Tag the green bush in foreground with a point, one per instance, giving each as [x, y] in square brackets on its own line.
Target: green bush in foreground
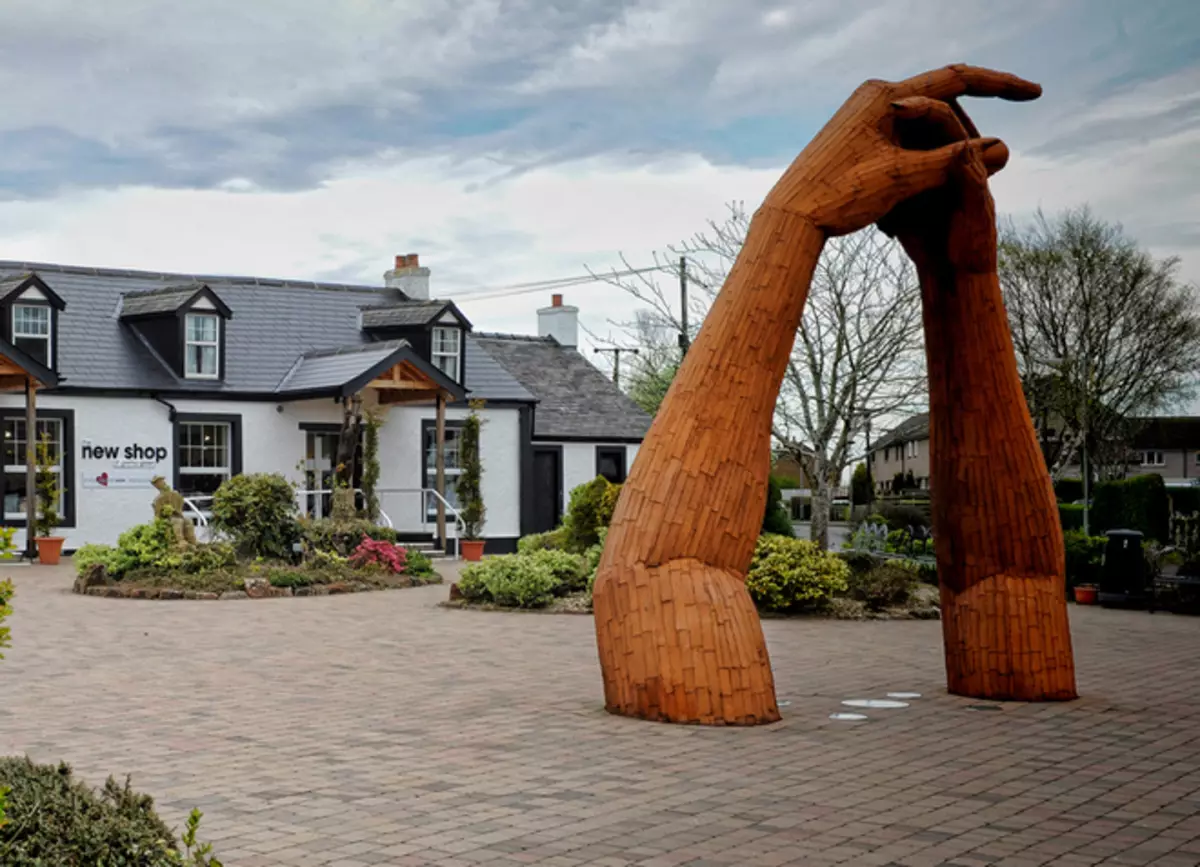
[258, 511]
[513, 580]
[886, 586]
[791, 575]
[54, 819]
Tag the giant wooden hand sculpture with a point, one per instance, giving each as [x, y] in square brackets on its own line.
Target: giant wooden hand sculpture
[999, 541]
[678, 635]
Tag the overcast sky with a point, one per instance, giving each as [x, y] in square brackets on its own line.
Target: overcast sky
[516, 141]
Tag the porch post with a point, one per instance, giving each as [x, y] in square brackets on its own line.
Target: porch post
[31, 498]
[441, 468]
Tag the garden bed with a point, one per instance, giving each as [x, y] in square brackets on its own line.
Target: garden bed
[250, 582]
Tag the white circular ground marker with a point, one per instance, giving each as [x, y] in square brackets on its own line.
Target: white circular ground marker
[874, 702]
[848, 717]
[904, 695]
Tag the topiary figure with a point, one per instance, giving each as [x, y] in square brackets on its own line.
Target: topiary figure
[169, 506]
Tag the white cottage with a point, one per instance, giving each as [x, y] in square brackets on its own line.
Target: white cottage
[198, 378]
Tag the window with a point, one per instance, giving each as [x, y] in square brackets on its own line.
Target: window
[208, 451]
[912, 449]
[446, 342]
[1153, 459]
[887, 455]
[610, 463]
[202, 346]
[31, 331]
[429, 464]
[56, 426]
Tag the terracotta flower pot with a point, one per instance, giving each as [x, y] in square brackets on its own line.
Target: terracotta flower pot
[1085, 594]
[49, 549]
[472, 549]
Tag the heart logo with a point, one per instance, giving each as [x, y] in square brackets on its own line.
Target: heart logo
[103, 479]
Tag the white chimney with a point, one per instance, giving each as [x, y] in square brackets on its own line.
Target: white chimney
[409, 277]
[559, 322]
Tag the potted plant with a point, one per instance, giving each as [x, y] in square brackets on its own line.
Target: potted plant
[49, 547]
[470, 500]
[1085, 594]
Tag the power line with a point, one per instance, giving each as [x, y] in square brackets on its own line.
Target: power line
[542, 285]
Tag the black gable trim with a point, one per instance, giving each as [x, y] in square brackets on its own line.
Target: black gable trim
[13, 288]
[47, 377]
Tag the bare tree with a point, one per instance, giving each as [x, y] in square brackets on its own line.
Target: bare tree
[858, 354]
[1104, 334]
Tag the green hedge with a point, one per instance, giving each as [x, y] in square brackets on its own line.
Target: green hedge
[1071, 516]
[1136, 503]
[1068, 490]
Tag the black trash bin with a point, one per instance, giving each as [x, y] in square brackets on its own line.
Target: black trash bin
[1123, 575]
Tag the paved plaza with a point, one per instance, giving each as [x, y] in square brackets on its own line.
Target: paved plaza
[378, 728]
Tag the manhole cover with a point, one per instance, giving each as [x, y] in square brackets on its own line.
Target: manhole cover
[874, 702]
[904, 695]
[785, 704]
[848, 717]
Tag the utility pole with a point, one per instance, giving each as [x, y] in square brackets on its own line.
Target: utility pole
[616, 351]
[684, 341]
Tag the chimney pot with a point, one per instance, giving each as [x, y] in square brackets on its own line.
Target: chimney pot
[401, 261]
[414, 261]
[556, 301]
[409, 277]
[560, 322]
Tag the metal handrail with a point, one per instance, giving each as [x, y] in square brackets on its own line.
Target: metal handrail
[191, 504]
[321, 493]
[460, 525]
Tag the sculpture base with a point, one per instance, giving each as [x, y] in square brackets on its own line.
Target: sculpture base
[682, 643]
[1008, 638]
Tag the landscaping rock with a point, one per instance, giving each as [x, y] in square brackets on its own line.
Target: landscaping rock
[114, 591]
[455, 593]
[203, 595]
[94, 576]
[302, 591]
[258, 588]
[97, 591]
[318, 590]
[233, 594]
[135, 593]
[168, 593]
[338, 588]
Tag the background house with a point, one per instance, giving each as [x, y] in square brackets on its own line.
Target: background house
[198, 378]
[902, 450]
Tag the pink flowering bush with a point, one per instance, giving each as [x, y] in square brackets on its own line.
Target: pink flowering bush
[379, 553]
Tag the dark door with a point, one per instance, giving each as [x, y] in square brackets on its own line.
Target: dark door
[547, 488]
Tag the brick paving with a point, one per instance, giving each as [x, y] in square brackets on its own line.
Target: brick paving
[380, 729]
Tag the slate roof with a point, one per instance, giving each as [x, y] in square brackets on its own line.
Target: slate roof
[274, 323]
[1167, 433]
[915, 428]
[347, 369]
[575, 400]
[154, 301]
[11, 284]
[413, 313]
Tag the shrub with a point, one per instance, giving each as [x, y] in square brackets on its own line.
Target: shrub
[900, 516]
[1068, 490]
[1084, 555]
[859, 561]
[589, 511]
[569, 570]
[897, 542]
[207, 557]
[1070, 516]
[87, 556]
[776, 519]
[417, 562]
[885, 586]
[341, 537]
[514, 580]
[8, 545]
[1136, 503]
[144, 546]
[55, 819]
[794, 575]
[555, 540]
[376, 554]
[289, 578]
[258, 511]
[468, 492]
[6, 595]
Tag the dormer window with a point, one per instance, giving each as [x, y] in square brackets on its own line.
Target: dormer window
[202, 351]
[31, 331]
[446, 351]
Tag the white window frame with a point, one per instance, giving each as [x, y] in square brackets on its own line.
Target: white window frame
[911, 449]
[429, 468]
[48, 336]
[20, 469]
[1153, 458]
[188, 343]
[226, 469]
[445, 360]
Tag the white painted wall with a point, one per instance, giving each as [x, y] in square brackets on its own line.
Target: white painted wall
[272, 441]
[579, 464]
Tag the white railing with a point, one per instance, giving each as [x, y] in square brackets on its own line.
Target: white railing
[303, 494]
[192, 509]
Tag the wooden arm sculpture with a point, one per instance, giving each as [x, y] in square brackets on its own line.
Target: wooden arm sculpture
[999, 541]
[679, 638]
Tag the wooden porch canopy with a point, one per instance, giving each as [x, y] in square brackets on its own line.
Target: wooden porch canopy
[20, 372]
[391, 369]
